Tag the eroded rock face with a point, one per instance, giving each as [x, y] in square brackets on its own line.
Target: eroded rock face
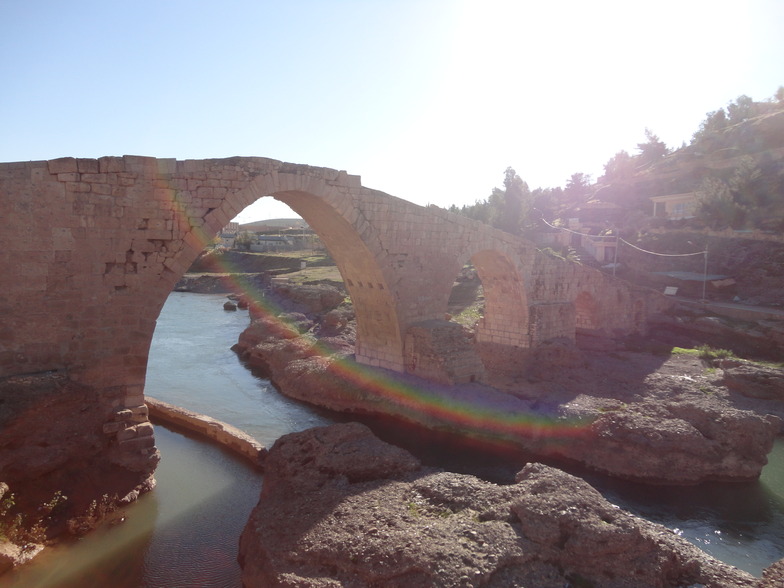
[306, 298]
[672, 423]
[683, 441]
[40, 454]
[341, 508]
[773, 576]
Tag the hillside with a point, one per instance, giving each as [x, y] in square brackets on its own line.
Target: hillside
[735, 171]
[274, 224]
[731, 181]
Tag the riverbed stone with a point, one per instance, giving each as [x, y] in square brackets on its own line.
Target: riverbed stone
[773, 576]
[326, 517]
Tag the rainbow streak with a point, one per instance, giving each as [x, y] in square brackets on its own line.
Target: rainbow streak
[492, 417]
[481, 413]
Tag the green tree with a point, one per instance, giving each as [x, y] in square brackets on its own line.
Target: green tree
[511, 207]
[619, 168]
[577, 187]
[717, 206]
[243, 240]
[742, 109]
[544, 202]
[715, 122]
[653, 149]
[739, 201]
[744, 183]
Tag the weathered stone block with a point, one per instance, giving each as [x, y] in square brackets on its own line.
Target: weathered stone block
[88, 166]
[64, 165]
[114, 427]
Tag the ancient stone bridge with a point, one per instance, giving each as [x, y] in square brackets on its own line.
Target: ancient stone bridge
[92, 247]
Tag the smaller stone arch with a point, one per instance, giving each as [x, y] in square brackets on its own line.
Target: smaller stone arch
[503, 333]
[334, 213]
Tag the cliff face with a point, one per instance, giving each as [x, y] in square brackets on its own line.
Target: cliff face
[341, 508]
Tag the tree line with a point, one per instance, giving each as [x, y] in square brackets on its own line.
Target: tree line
[750, 195]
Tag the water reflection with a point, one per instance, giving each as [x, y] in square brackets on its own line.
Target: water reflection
[183, 534]
[740, 523]
[191, 365]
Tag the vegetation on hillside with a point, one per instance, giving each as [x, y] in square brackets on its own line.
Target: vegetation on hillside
[734, 164]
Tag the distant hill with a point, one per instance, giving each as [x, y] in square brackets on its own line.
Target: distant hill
[274, 224]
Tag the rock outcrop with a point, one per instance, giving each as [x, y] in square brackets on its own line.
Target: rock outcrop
[773, 576]
[753, 380]
[682, 441]
[341, 508]
[634, 416]
[41, 409]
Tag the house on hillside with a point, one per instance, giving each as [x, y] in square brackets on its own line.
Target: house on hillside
[675, 206]
[264, 243]
[275, 225]
[586, 229]
[228, 235]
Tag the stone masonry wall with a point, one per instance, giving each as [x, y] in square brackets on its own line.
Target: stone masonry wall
[91, 248]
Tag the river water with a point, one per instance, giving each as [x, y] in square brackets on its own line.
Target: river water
[185, 533]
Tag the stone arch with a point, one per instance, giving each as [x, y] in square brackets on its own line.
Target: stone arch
[353, 244]
[378, 330]
[505, 321]
[502, 335]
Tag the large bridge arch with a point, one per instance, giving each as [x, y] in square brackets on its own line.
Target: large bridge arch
[338, 223]
[505, 321]
[91, 248]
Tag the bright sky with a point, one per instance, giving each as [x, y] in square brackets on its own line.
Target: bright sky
[428, 100]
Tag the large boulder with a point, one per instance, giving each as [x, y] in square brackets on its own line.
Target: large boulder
[754, 380]
[341, 508]
[680, 441]
[306, 298]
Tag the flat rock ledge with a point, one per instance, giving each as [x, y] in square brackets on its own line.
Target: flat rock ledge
[222, 433]
[339, 507]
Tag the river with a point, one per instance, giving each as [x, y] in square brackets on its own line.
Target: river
[185, 533]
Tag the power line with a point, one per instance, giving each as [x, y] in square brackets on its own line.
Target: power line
[662, 254]
[625, 241]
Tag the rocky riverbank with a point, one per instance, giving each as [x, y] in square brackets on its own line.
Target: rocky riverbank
[672, 419]
[341, 508]
[32, 514]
